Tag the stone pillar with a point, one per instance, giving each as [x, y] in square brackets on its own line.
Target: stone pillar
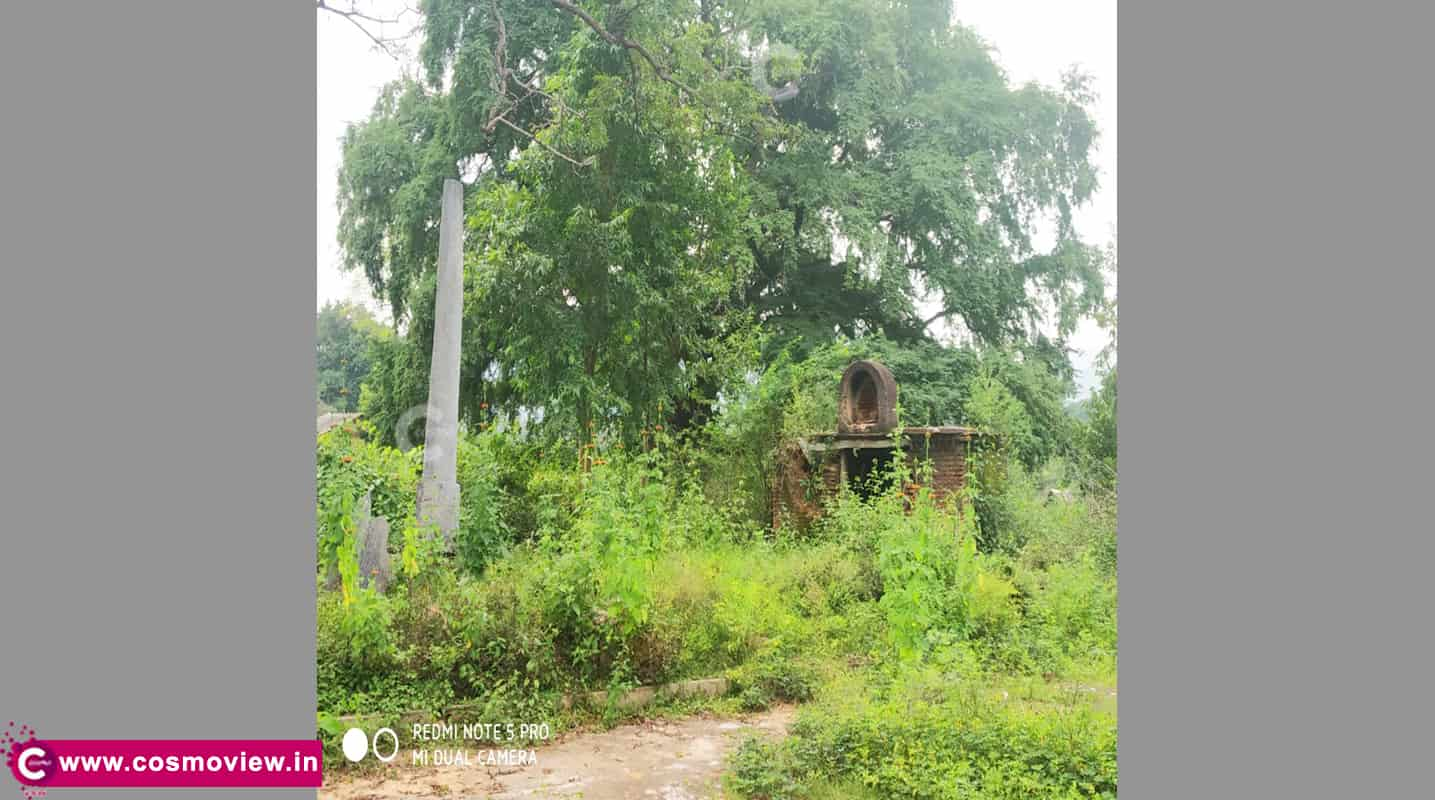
[438, 489]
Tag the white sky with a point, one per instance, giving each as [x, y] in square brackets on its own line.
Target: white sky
[1034, 39]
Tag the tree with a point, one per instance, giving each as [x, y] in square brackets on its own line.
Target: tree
[641, 197]
[342, 352]
[1098, 433]
[911, 169]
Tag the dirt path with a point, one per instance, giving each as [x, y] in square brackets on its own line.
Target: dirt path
[655, 760]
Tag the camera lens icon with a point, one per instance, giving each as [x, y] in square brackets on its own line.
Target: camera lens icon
[356, 744]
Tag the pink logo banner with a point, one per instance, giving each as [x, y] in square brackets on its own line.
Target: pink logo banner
[163, 763]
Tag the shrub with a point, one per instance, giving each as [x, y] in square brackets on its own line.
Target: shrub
[355, 646]
[483, 533]
[921, 737]
[1063, 532]
[1077, 608]
[351, 462]
[934, 584]
[759, 769]
[778, 674]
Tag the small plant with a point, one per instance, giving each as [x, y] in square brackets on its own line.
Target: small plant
[777, 675]
[422, 551]
[758, 770]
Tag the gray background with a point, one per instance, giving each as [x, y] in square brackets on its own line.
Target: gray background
[157, 319]
[156, 314]
[1275, 395]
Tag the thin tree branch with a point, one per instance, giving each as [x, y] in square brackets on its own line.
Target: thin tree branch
[353, 15]
[587, 162]
[355, 12]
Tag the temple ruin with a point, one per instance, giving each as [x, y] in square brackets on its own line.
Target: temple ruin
[813, 469]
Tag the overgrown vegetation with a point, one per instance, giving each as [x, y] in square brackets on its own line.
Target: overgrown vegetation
[668, 265]
[917, 733]
[635, 577]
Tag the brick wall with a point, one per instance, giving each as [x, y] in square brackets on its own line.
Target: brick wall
[792, 504]
[947, 454]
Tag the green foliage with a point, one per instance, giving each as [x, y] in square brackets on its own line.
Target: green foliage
[422, 548]
[1078, 608]
[494, 468]
[632, 221]
[609, 555]
[1054, 531]
[632, 574]
[1098, 433]
[345, 334]
[773, 676]
[335, 527]
[758, 769]
[630, 593]
[997, 480]
[483, 532]
[1044, 602]
[936, 588]
[356, 636]
[924, 736]
[604, 298]
[392, 175]
[932, 381]
[887, 616]
[994, 409]
[398, 381]
[351, 462]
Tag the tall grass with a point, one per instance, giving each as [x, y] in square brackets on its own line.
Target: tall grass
[890, 616]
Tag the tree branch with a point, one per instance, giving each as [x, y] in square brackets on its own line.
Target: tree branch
[500, 71]
[587, 162]
[939, 315]
[354, 15]
[621, 41]
[558, 101]
[501, 78]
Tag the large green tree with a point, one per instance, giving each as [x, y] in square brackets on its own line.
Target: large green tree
[642, 196]
[345, 333]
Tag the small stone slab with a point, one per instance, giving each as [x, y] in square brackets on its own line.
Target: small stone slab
[372, 544]
[374, 554]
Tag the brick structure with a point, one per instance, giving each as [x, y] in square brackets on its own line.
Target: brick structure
[813, 469]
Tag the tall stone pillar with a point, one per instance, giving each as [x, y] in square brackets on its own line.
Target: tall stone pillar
[438, 489]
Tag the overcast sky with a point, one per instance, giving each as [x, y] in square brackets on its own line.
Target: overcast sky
[1034, 39]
